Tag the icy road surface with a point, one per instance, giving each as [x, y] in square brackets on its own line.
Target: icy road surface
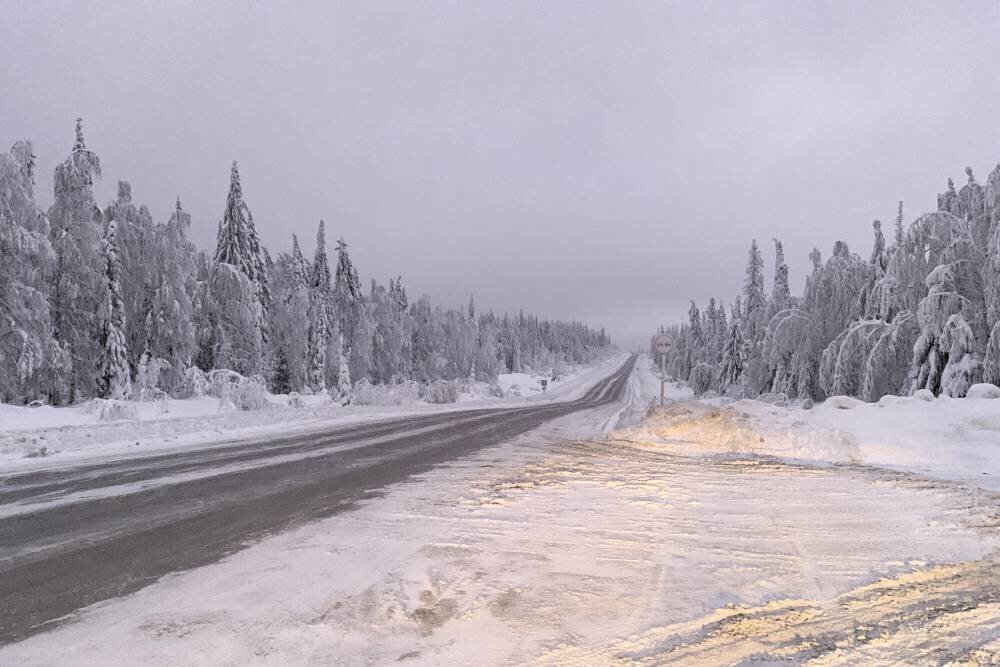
[76, 535]
[562, 547]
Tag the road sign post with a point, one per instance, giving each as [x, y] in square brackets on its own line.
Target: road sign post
[663, 344]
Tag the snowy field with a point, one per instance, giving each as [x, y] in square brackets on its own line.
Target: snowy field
[705, 535]
[44, 436]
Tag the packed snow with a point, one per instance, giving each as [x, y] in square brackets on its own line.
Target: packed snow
[694, 536]
[44, 435]
[940, 438]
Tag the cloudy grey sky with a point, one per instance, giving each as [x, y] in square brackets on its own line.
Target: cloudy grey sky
[604, 161]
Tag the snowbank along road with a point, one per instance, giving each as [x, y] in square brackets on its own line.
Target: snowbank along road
[73, 536]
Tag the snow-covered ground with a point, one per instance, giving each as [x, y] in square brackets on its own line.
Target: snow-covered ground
[943, 438]
[664, 543]
[43, 436]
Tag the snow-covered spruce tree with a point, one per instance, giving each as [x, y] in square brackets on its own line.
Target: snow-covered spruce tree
[708, 323]
[346, 290]
[236, 287]
[695, 337]
[239, 245]
[77, 279]
[289, 315]
[734, 356]
[932, 352]
[319, 314]
[720, 330]
[870, 297]
[781, 294]
[753, 292]
[348, 305]
[170, 322]
[31, 361]
[135, 237]
[756, 377]
[115, 379]
[898, 234]
[963, 368]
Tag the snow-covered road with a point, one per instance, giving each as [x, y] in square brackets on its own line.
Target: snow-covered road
[563, 547]
[75, 535]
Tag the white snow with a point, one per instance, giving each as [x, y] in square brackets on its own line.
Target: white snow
[564, 548]
[43, 436]
[953, 439]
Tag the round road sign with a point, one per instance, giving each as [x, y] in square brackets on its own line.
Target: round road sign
[663, 343]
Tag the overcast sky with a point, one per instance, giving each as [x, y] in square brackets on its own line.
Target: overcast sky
[601, 161]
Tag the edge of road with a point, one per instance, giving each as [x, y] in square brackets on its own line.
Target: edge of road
[311, 425]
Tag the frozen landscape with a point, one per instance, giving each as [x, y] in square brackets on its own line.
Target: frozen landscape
[499, 333]
[706, 533]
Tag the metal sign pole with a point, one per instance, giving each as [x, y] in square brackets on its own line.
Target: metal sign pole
[663, 377]
[663, 344]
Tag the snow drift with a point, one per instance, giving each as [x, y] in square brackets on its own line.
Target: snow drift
[693, 428]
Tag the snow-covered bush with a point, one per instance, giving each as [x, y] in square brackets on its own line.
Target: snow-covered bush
[193, 384]
[983, 390]
[364, 393]
[924, 395]
[221, 382]
[403, 393]
[774, 398]
[701, 378]
[843, 402]
[249, 394]
[440, 392]
[295, 400]
[108, 409]
[243, 393]
[150, 371]
[890, 399]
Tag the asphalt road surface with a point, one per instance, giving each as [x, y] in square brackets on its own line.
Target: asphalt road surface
[73, 536]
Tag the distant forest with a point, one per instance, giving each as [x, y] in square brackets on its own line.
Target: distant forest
[108, 303]
[921, 311]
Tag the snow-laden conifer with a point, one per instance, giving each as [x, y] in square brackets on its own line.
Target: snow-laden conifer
[115, 380]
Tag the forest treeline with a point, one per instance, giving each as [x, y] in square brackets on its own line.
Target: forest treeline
[105, 302]
[921, 311]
